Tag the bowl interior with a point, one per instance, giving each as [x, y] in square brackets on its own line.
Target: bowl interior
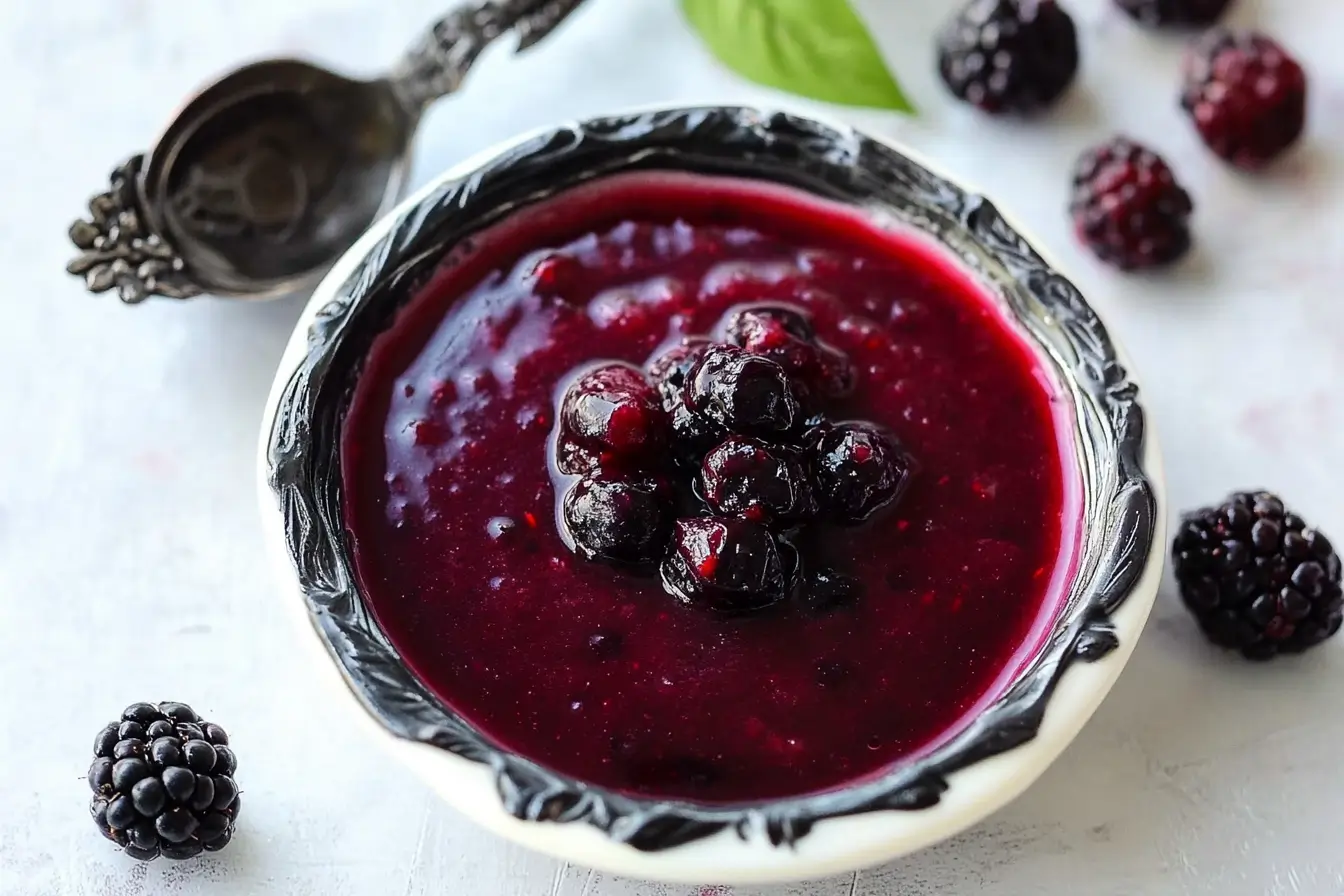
[1117, 503]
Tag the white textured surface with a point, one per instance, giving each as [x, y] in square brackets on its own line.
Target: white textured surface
[130, 557]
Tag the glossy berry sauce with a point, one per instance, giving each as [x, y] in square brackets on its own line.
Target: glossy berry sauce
[598, 673]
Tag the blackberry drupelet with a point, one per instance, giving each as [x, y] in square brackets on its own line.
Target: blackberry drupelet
[162, 781]
[1174, 13]
[1127, 206]
[1246, 95]
[1009, 55]
[1257, 578]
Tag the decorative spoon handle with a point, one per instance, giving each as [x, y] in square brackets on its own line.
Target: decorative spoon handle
[118, 249]
[119, 245]
[439, 62]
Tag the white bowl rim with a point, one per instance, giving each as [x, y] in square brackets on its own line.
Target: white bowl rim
[834, 845]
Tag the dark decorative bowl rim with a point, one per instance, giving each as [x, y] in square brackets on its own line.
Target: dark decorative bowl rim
[301, 446]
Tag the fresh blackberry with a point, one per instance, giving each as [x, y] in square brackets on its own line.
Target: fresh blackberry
[1246, 95]
[1009, 55]
[1174, 13]
[1127, 206]
[1257, 578]
[162, 781]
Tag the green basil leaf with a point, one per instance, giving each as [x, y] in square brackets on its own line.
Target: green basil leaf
[814, 48]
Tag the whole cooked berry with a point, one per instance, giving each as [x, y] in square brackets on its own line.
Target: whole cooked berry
[1009, 55]
[759, 328]
[1127, 206]
[1177, 13]
[174, 798]
[742, 392]
[668, 368]
[1246, 95]
[727, 564]
[615, 412]
[1257, 578]
[618, 520]
[692, 434]
[765, 483]
[786, 336]
[861, 468]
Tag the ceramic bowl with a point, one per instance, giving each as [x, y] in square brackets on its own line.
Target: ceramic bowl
[980, 768]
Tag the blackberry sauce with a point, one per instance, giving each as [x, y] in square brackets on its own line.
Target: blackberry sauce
[596, 672]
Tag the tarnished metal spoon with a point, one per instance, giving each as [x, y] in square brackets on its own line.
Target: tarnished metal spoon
[267, 175]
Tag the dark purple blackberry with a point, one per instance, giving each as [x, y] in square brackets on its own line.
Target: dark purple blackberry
[614, 412]
[162, 782]
[727, 564]
[1009, 55]
[742, 392]
[1174, 13]
[765, 483]
[860, 469]
[624, 521]
[1257, 578]
[1127, 206]
[1246, 95]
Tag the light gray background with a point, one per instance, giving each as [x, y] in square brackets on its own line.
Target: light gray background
[130, 562]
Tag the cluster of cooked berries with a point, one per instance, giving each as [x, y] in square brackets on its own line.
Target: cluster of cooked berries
[711, 462]
[1257, 578]
[1243, 91]
[162, 781]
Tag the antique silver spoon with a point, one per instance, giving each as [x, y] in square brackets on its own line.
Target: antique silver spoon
[267, 175]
